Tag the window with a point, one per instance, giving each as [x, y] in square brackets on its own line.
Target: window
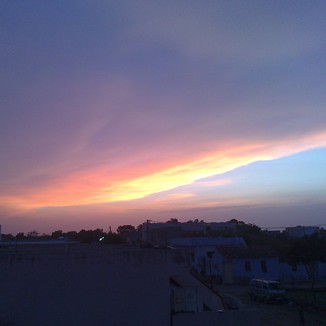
[263, 266]
[247, 266]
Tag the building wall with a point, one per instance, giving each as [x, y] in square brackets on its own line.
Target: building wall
[205, 265]
[322, 271]
[290, 274]
[271, 273]
[162, 233]
[297, 273]
[208, 242]
[86, 285]
[234, 270]
[219, 269]
[301, 231]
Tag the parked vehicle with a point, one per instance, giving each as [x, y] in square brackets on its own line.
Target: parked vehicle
[266, 290]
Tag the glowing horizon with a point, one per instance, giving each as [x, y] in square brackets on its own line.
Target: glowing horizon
[166, 179]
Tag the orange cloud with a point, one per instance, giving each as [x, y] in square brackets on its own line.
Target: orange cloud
[215, 183]
[103, 185]
[217, 163]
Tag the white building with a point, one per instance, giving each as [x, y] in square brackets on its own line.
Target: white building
[236, 264]
[162, 233]
[301, 231]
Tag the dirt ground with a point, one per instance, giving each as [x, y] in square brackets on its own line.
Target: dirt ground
[274, 314]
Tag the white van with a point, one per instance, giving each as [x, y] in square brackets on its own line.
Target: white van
[266, 290]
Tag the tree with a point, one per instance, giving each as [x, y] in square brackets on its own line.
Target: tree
[8, 237]
[113, 238]
[20, 236]
[85, 236]
[139, 228]
[56, 234]
[123, 229]
[88, 236]
[173, 220]
[32, 234]
[71, 235]
[308, 251]
[98, 233]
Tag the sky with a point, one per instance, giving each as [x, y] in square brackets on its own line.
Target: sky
[115, 112]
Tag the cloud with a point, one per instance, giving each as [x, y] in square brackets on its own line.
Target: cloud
[96, 185]
[245, 33]
[214, 183]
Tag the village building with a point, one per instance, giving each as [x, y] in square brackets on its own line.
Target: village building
[237, 264]
[162, 233]
[301, 231]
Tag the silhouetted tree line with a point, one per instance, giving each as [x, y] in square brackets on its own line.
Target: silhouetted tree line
[306, 250]
[83, 236]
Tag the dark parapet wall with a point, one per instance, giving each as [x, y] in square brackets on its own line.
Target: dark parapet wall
[86, 285]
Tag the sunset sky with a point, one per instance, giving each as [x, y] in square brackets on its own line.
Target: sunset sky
[114, 112]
